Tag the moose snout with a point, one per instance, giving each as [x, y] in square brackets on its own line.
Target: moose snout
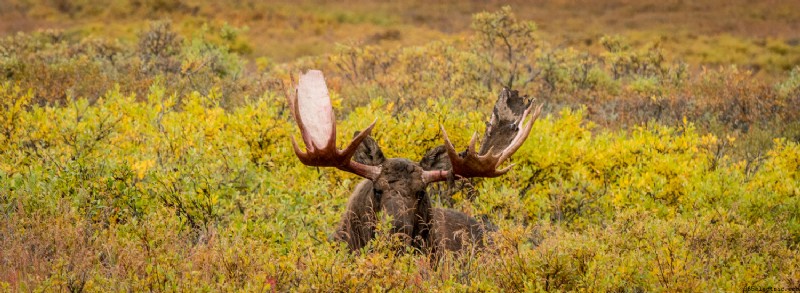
[402, 229]
[401, 216]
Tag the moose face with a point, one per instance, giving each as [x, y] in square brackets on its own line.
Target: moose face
[399, 192]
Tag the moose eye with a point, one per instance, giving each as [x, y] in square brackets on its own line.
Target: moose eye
[420, 194]
[378, 193]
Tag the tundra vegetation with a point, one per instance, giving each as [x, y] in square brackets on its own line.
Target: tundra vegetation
[145, 145]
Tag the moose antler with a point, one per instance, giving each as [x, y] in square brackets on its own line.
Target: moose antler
[504, 135]
[311, 108]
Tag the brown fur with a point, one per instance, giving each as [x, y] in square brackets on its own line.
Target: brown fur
[399, 192]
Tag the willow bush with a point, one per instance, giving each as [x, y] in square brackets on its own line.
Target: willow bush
[165, 164]
[137, 195]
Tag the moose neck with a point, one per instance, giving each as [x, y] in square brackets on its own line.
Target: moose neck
[423, 229]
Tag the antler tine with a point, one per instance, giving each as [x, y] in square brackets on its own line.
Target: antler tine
[448, 145]
[312, 110]
[472, 142]
[351, 149]
[367, 171]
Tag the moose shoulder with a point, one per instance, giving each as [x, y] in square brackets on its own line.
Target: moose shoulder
[396, 187]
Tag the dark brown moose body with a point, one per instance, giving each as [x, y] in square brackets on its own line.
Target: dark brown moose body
[414, 220]
[395, 189]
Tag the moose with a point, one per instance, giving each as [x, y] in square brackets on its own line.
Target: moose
[395, 188]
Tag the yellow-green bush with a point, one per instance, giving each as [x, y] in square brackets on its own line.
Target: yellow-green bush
[175, 193]
[163, 162]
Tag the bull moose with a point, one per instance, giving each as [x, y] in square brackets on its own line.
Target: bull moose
[396, 187]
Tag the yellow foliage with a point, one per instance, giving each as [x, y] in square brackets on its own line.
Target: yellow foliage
[167, 166]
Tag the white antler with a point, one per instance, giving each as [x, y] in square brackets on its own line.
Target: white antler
[311, 108]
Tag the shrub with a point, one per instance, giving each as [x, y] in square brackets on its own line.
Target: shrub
[136, 194]
[164, 164]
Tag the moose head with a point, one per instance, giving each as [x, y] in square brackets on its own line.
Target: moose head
[396, 187]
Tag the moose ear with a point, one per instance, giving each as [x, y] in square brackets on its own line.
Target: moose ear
[436, 159]
[368, 152]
